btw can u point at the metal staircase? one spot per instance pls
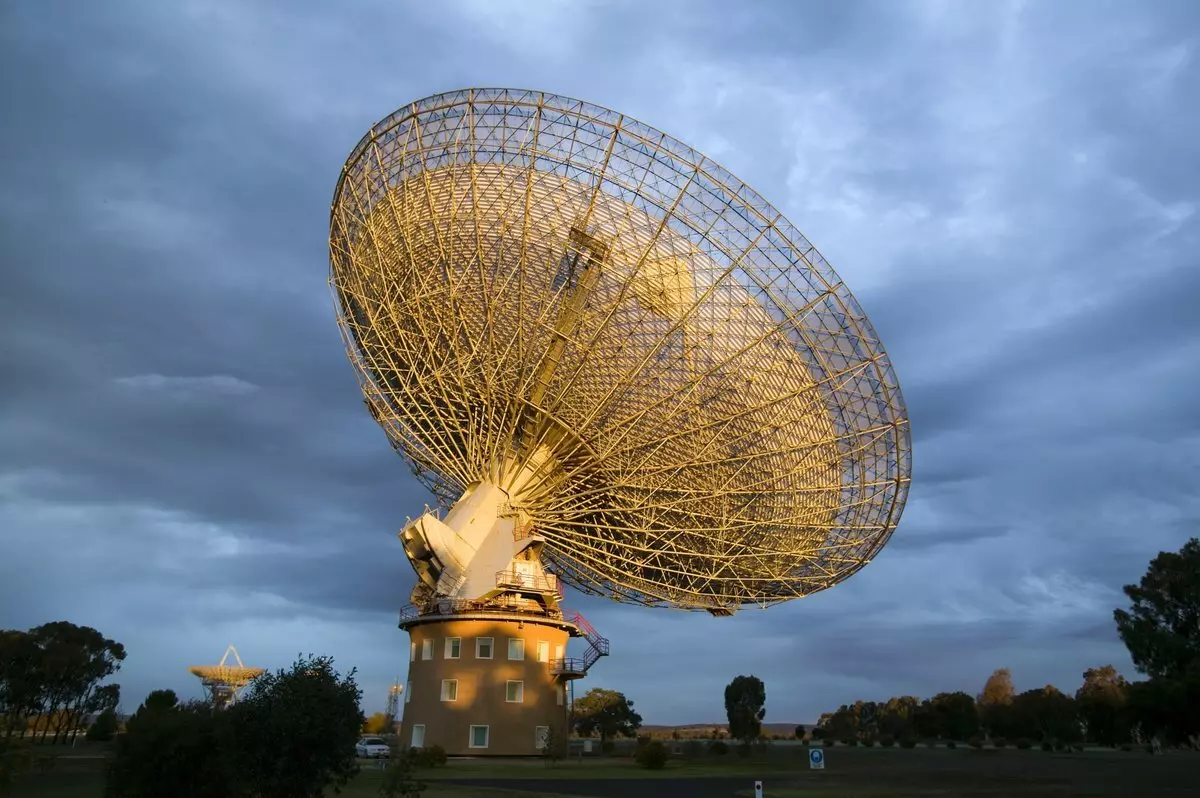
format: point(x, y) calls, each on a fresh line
point(577, 667)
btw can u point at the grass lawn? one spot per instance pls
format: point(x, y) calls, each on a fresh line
point(861, 773)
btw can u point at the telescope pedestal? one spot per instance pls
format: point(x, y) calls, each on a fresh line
point(514, 690)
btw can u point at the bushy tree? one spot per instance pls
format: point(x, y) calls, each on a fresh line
point(745, 707)
point(104, 727)
point(897, 717)
point(379, 723)
point(955, 716)
point(1101, 701)
point(295, 730)
point(1162, 627)
point(607, 713)
point(995, 703)
point(172, 749)
point(1047, 715)
point(291, 735)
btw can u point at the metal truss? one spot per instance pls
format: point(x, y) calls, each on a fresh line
point(223, 683)
point(532, 284)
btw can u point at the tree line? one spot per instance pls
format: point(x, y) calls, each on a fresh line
point(1160, 628)
point(52, 679)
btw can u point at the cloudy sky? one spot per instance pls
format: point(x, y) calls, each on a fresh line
point(1010, 189)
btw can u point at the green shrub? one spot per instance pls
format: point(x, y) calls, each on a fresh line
point(1047, 745)
point(951, 744)
point(653, 755)
point(850, 741)
point(1000, 742)
point(869, 742)
point(1126, 747)
point(718, 748)
point(975, 742)
point(887, 741)
point(908, 742)
point(1023, 743)
point(399, 780)
point(431, 756)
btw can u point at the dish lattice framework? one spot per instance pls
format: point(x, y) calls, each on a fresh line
point(514, 266)
point(224, 682)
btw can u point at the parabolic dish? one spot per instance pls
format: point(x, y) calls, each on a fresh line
point(667, 380)
point(231, 675)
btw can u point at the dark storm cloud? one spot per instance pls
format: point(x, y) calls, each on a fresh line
point(1009, 190)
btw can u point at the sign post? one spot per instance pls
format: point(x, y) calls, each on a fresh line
point(758, 789)
point(816, 759)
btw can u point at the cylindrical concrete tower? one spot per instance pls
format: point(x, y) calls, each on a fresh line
point(487, 683)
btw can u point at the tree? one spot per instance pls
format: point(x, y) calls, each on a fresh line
point(295, 730)
point(1162, 632)
point(999, 688)
point(1166, 708)
point(1162, 627)
point(1046, 714)
point(103, 728)
point(897, 718)
point(955, 715)
point(995, 703)
point(158, 701)
point(21, 688)
point(379, 723)
point(607, 713)
point(1101, 702)
point(745, 707)
point(172, 749)
point(50, 677)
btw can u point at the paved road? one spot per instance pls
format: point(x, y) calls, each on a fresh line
point(722, 787)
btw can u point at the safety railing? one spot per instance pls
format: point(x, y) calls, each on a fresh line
point(512, 578)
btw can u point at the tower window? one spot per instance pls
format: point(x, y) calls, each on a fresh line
point(426, 649)
point(479, 737)
point(515, 693)
point(483, 648)
point(453, 647)
point(516, 648)
point(449, 689)
point(543, 651)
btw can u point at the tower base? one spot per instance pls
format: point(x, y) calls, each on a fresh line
point(486, 683)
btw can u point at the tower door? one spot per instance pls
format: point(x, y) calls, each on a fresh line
point(524, 572)
point(418, 736)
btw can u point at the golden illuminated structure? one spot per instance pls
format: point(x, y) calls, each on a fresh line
point(224, 682)
point(611, 362)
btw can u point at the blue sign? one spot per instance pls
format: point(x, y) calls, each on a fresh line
point(816, 759)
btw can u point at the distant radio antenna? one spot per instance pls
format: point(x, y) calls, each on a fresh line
point(223, 683)
point(393, 704)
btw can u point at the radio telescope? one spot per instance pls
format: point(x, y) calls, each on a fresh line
point(223, 683)
point(613, 364)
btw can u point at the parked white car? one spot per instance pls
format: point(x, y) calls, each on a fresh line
point(372, 748)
